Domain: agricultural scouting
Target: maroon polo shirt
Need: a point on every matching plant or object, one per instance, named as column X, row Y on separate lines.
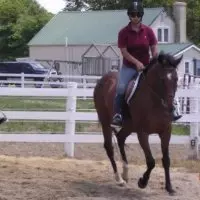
column 137, row 43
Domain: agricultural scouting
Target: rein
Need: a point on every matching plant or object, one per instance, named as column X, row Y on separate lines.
column 163, row 103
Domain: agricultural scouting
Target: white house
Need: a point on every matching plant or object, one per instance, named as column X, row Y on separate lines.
column 74, row 35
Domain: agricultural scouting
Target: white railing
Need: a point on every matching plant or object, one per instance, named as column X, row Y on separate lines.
column 70, row 116
column 46, row 80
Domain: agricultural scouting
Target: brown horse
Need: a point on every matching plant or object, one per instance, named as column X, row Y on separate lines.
column 148, row 111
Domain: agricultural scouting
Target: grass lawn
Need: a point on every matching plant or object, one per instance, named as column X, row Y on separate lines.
column 181, row 129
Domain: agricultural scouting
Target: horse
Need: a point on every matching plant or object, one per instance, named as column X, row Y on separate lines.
column 149, row 111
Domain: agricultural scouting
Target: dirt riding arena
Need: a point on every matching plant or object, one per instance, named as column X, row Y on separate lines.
column 40, row 171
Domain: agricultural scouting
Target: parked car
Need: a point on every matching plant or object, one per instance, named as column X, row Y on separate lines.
column 25, row 67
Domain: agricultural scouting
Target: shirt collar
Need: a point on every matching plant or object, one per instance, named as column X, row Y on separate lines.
column 141, row 27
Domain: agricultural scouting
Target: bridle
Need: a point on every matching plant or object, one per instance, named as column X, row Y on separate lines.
column 162, row 100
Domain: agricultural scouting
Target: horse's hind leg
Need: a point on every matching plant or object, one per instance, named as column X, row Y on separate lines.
column 103, row 106
column 121, row 137
column 150, row 162
column 107, row 132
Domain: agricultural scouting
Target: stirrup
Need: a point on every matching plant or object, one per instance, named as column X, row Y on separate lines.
column 116, row 121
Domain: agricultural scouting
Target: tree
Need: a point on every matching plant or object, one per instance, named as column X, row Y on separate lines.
column 123, row 4
column 108, row 4
column 193, row 21
column 20, row 20
column 73, row 5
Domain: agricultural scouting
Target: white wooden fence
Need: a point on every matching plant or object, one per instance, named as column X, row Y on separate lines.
column 70, row 116
column 49, row 80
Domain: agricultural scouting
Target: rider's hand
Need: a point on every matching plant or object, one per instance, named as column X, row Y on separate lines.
column 140, row 66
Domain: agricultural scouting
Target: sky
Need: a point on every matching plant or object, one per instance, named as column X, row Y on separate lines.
column 53, row 6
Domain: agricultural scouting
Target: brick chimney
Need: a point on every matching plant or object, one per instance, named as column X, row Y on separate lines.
column 179, row 13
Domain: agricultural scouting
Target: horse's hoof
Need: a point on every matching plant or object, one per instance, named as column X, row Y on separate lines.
column 121, row 183
column 141, row 184
column 171, row 192
column 125, row 178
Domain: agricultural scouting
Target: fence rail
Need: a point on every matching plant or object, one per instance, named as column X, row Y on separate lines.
column 46, row 80
column 70, row 116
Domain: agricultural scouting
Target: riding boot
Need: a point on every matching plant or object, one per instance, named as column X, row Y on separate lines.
column 117, row 119
column 3, row 119
column 176, row 111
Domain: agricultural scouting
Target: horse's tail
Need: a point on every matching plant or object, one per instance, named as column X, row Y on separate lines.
column 97, row 89
column 102, row 95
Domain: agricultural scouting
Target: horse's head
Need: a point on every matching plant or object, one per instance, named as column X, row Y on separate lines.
column 162, row 77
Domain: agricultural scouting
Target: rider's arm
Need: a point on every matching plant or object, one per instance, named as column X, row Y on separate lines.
column 154, row 51
column 128, row 56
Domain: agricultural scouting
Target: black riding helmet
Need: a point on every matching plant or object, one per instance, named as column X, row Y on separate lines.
column 136, row 7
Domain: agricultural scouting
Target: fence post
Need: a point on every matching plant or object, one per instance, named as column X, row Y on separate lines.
column 70, row 124
column 22, row 80
column 194, row 126
column 84, row 86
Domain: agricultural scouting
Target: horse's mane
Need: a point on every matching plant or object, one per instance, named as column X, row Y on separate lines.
column 164, row 59
column 152, row 62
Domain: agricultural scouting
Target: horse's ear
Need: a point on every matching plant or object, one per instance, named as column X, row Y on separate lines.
column 178, row 60
column 162, row 58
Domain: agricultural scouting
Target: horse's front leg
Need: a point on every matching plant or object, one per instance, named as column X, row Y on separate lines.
column 150, row 162
column 165, row 138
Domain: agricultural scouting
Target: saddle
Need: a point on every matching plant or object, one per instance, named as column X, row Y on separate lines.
column 131, row 88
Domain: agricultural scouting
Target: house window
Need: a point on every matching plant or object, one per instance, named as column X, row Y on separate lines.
column 166, row 35
column 163, row 34
column 159, row 35
column 187, row 71
column 196, row 67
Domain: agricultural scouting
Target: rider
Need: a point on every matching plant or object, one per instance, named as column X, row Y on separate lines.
column 134, row 40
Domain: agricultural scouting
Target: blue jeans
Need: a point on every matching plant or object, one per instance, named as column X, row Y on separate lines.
column 125, row 76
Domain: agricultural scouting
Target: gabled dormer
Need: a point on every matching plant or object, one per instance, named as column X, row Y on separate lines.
column 171, row 27
column 164, row 28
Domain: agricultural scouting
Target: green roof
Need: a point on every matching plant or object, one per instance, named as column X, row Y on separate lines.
column 90, row 27
column 173, row 48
